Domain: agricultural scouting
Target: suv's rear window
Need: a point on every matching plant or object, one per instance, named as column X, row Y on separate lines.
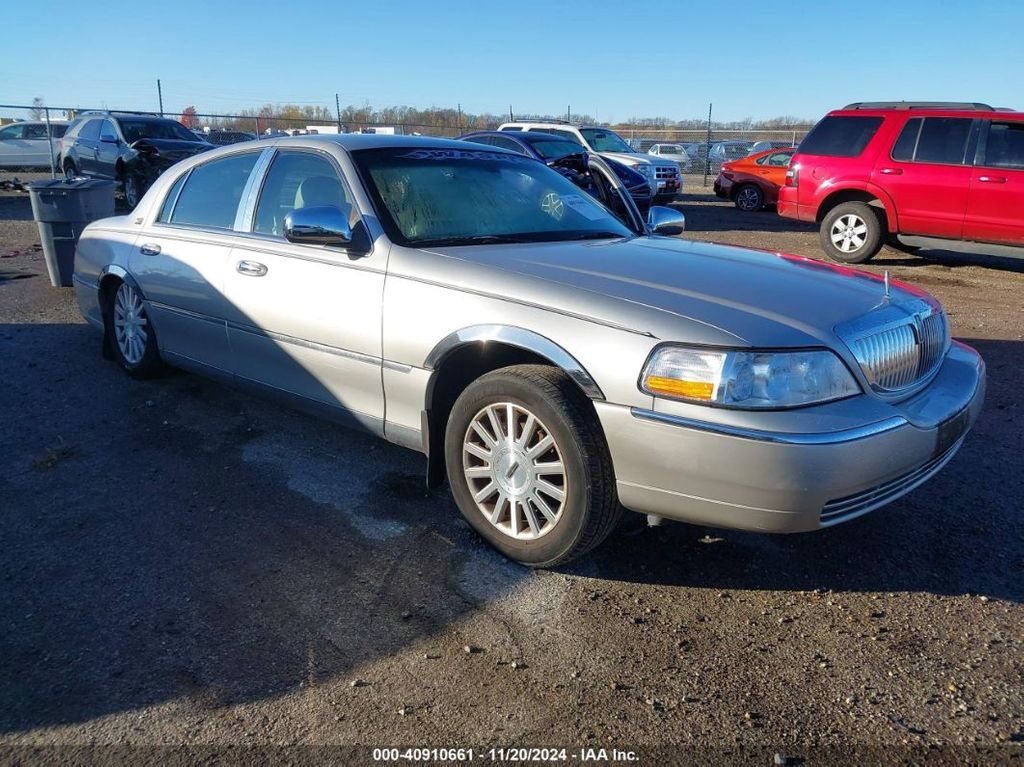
column 840, row 136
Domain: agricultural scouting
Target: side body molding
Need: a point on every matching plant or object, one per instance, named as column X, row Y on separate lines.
column 522, row 339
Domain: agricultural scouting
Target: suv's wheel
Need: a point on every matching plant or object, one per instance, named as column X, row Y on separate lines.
column 130, row 333
column 69, row 170
column 131, row 187
column 851, row 233
column 528, row 465
column 749, row 197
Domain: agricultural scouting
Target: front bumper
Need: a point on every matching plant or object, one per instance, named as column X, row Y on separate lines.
column 779, row 482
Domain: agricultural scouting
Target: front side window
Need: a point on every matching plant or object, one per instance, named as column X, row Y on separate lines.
column 1005, row 145
column 553, row 149
column 840, row 136
column 605, row 140
column 427, row 196
column 107, row 130
column 91, row 130
column 298, row 180
column 212, row 192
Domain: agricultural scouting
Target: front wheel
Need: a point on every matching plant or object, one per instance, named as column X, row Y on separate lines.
column 130, row 334
column 749, row 197
column 851, row 233
column 131, row 186
column 528, row 465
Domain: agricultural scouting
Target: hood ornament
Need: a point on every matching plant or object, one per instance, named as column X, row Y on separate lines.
column 888, row 293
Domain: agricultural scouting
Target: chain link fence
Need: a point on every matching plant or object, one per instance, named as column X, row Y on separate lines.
column 699, row 152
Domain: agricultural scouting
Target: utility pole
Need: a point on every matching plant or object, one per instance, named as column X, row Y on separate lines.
column 160, row 96
column 337, row 106
column 707, row 153
column 510, row 117
column 568, row 114
column 460, row 117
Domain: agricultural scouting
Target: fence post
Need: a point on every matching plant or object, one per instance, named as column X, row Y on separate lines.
column 794, row 138
column 707, row 154
column 49, row 139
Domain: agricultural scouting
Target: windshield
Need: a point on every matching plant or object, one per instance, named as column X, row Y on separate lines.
column 464, row 197
column 552, row 150
column 602, row 140
column 161, row 129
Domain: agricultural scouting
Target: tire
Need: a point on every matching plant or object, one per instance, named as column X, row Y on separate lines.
column 131, row 188
column 69, row 170
column 130, row 335
column 749, row 197
column 851, row 233
column 504, row 477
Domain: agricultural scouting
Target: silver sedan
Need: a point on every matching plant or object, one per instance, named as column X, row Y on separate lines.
column 555, row 360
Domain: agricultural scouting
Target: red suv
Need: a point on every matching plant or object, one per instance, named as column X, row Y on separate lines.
column 908, row 172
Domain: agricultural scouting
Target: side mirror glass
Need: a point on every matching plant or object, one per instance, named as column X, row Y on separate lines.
column 662, row 220
column 319, row 225
column 108, row 138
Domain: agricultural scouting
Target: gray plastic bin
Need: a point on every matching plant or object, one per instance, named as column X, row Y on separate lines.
column 61, row 210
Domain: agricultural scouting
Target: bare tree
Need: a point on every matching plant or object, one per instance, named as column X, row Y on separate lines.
column 36, row 112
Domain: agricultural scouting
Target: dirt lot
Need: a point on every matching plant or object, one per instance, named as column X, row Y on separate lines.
column 185, row 564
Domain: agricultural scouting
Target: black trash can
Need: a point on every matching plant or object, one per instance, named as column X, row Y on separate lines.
column 61, row 210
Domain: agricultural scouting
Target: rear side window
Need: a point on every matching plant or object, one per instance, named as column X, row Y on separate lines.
column 934, row 140
column 840, row 136
column 1005, row 146
column 212, row 192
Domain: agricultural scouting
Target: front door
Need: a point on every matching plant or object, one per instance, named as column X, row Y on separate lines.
column 181, row 258
column 306, row 319
column 995, row 205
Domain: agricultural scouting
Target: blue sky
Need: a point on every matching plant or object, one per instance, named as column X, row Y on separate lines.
column 614, row 60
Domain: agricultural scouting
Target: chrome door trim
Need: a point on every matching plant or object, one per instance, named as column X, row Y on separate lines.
column 250, row 194
column 522, row 338
column 787, row 438
column 185, row 313
column 314, row 345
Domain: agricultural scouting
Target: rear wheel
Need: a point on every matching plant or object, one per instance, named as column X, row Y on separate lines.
column 528, row 465
column 749, row 197
column 851, row 233
column 69, row 170
column 131, row 187
column 130, row 334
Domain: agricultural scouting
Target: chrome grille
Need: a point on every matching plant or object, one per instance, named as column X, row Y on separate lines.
column 666, row 171
column 899, row 344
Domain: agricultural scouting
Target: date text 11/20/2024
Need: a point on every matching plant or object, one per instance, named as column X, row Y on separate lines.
column 511, row 754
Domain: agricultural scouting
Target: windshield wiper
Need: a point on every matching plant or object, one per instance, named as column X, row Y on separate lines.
column 480, row 239
column 599, row 236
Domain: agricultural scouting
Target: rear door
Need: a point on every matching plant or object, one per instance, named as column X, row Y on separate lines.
column 928, row 175
column 86, row 146
column 180, row 260
column 995, row 205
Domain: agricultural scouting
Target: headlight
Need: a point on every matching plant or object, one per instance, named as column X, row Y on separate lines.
column 645, row 169
column 747, row 379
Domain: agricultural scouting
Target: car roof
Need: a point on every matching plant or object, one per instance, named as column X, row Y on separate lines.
column 357, row 141
column 523, row 136
column 986, row 114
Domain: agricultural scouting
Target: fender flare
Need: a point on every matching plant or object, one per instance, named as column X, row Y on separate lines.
column 520, row 338
column 891, row 215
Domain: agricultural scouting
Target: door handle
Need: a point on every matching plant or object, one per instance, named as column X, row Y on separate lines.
column 251, row 268
column 992, row 179
column 150, row 249
column 891, row 171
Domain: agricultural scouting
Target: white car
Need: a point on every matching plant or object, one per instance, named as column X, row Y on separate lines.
column 24, row 145
column 662, row 175
column 673, row 152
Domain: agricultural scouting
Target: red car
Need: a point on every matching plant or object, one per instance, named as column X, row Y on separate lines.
column 910, row 174
column 754, row 181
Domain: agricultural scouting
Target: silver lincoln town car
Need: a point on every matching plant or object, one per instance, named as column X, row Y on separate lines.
column 554, row 359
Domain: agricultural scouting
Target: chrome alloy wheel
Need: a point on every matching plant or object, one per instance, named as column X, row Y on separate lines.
column 130, row 324
column 514, row 471
column 849, row 233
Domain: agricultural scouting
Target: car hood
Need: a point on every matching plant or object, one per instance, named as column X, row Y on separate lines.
column 170, row 149
column 682, row 290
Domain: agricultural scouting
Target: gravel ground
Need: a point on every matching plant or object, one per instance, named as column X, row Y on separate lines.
column 185, row 564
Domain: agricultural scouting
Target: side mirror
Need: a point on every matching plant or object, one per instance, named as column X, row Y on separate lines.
column 108, row 138
column 320, row 225
column 662, row 220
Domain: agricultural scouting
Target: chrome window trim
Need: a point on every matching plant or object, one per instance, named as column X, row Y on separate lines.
column 786, row 438
column 247, row 209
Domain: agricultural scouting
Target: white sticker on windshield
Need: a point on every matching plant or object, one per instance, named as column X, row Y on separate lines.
column 583, row 207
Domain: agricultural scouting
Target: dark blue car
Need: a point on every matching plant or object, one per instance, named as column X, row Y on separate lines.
column 568, row 158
